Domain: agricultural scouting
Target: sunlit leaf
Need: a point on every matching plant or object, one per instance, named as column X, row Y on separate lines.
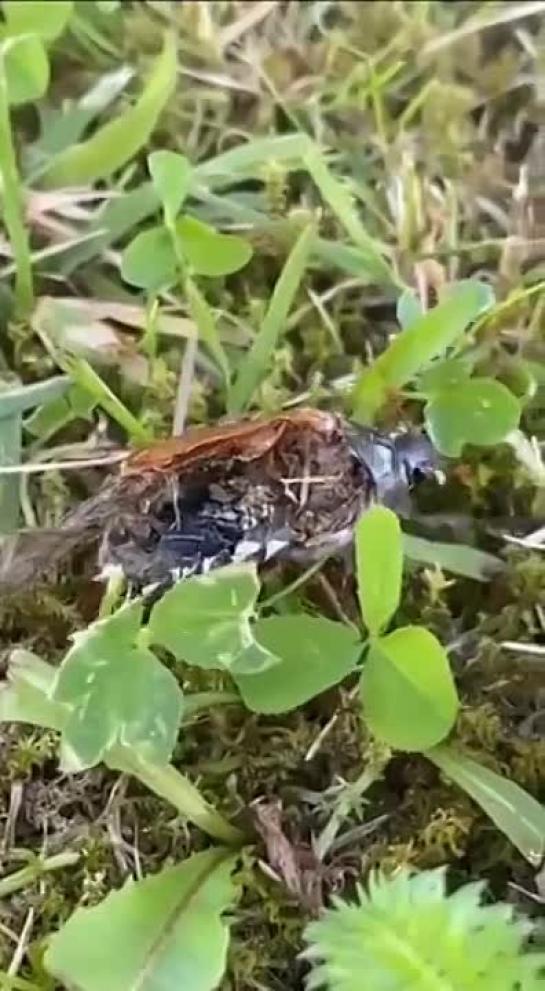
column 379, row 563
column 209, row 253
column 408, row 693
column 26, row 696
column 416, row 345
column 114, row 144
column 480, row 411
column 48, row 20
column 160, row 933
column 26, row 67
column 313, row 654
column 206, row 621
column 149, row 261
column 516, row 813
column 171, row 175
column 118, row 692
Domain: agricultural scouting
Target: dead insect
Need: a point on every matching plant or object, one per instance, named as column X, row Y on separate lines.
column 291, row 485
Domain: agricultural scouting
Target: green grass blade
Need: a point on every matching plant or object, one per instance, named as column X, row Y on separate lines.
column 255, row 364
column 12, row 203
column 339, row 200
column 206, row 326
column 249, row 157
column 83, row 374
column 121, row 138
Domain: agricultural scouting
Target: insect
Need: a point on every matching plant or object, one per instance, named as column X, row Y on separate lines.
column 288, row 486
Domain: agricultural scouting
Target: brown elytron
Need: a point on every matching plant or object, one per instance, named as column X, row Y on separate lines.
column 290, row 485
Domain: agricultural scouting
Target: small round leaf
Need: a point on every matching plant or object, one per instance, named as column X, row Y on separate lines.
column 379, row 563
column 149, row 260
column 210, row 253
column 26, row 67
column 408, row 693
column 480, row 411
column 171, row 175
column 47, row 20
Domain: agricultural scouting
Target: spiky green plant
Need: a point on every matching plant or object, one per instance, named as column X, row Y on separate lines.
column 405, row 933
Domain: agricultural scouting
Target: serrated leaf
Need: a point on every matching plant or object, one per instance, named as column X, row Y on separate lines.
column 171, row 175
column 114, row 144
column 379, row 565
column 208, row 252
column 480, row 411
column 118, row 692
column 47, row 20
column 160, row 933
column 313, row 654
column 206, row 621
column 407, row 690
column 406, row 931
column 26, row 68
column 418, row 344
column 516, row 813
column 149, row 261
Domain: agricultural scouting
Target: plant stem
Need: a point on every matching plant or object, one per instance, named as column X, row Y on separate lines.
column 12, row 205
column 19, row 879
column 167, row 782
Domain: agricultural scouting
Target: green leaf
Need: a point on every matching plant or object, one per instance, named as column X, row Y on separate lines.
column 313, row 654
column 255, row 365
column 206, row 326
column 47, row 20
column 172, row 176
column 449, row 373
column 480, row 411
column 406, row 932
column 379, row 563
column 209, row 253
column 516, row 813
column 118, row 692
column 458, row 558
column 149, row 261
column 26, row 696
column 409, row 309
column 418, row 344
column 161, row 933
column 408, row 693
column 26, row 67
column 84, row 376
column 206, row 621
column 114, row 144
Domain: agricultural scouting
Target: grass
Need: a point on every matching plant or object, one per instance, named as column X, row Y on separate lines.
column 426, row 119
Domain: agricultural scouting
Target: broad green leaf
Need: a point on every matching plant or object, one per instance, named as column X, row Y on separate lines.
column 114, row 144
column 206, row 326
column 408, row 693
column 26, row 67
column 379, row 563
column 409, row 308
column 206, row 621
column 118, row 692
column 516, row 813
column 163, row 933
column 48, row 20
column 149, row 261
column 209, row 253
column 480, row 411
column 172, row 176
column 313, row 654
column 413, row 349
column 255, row 365
column 458, row 558
column 449, row 373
